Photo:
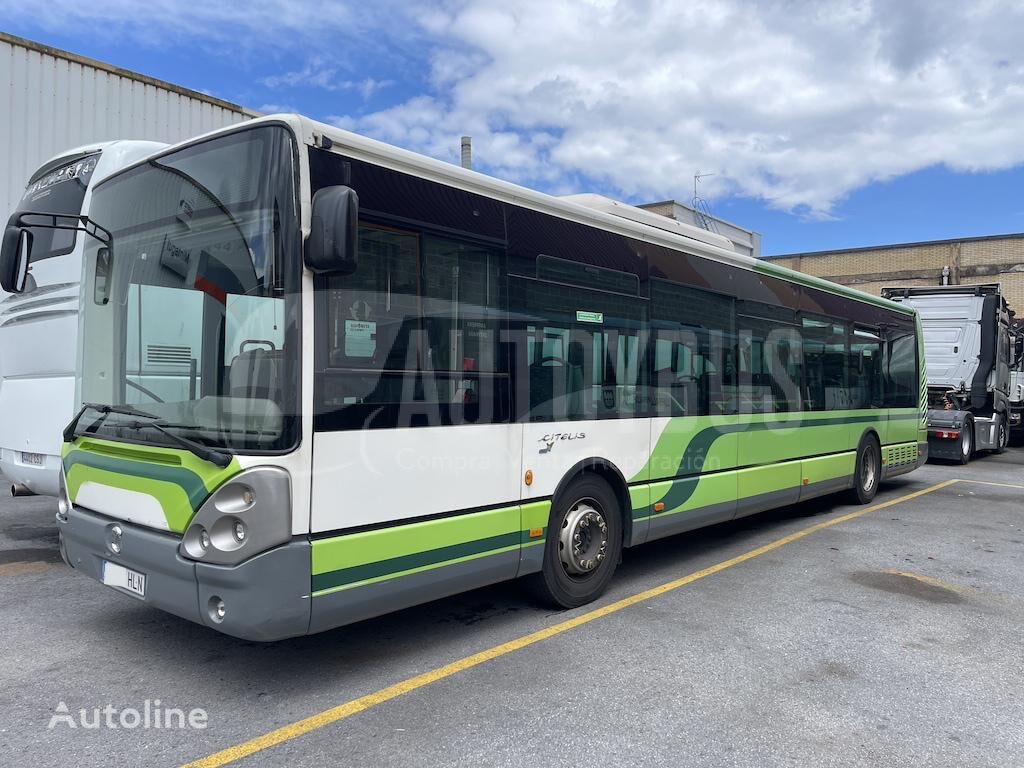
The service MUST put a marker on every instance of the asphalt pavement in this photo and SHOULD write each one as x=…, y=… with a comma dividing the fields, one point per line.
x=889, y=638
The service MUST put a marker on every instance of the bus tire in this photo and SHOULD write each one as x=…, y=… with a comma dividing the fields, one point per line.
x=583, y=545
x=966, y=441
x=868, y=470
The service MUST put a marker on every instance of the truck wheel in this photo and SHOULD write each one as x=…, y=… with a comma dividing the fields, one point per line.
x=966, y=441
x=868, y=471
x=583, y=545
x=1003, y=435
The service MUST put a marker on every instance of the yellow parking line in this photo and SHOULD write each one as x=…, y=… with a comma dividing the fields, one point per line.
x=363, y=703
x=985, y=482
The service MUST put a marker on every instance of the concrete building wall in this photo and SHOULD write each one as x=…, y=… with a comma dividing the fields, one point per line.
x=971, y=261
x=52, y=100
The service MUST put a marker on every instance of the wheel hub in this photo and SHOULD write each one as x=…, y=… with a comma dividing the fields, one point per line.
x=583, y=540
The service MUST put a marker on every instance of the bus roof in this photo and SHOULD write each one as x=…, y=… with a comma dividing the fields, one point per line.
x=405, y=161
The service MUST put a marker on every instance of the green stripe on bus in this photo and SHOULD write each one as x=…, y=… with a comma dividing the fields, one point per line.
x=143, y=469
x=193, y=486
x=395, y=541
x=686, y=462
x=441, y=555
x=358, y=557
x=695, y=455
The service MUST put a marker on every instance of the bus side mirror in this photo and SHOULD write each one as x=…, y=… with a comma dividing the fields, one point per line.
x=333, y=241
x=14, y=259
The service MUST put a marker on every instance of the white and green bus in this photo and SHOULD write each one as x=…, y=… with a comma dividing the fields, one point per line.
x=412, y=380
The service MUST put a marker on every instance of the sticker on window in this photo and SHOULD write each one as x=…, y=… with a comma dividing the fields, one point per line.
x=589, y=317
x=359, y=338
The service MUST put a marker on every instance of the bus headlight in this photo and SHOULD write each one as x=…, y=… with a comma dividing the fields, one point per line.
x=247, y=515
x=63, y=499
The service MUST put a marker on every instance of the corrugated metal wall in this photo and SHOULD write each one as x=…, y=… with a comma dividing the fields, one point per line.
x=51, y=101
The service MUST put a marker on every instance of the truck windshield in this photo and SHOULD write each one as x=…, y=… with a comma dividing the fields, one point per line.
x=192, y=313
x=57, y=188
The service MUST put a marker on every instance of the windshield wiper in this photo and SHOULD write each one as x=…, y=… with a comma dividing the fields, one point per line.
x=212, y=455
x=71, y=430
x=220, y=458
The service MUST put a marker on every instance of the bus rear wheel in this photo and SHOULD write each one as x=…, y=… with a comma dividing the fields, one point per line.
x=583, y=544
x=868, y=471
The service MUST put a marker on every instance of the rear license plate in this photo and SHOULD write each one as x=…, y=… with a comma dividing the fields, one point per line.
x=115, y=575
x=35, y=459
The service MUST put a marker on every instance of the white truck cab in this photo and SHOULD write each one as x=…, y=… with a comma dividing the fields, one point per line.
x=969, y=352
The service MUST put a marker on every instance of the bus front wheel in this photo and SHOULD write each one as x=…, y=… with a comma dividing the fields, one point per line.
x=868, y=471
x=584, y=542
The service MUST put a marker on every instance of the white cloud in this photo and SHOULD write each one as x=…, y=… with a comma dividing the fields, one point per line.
x=796, y=103
x=320, y=73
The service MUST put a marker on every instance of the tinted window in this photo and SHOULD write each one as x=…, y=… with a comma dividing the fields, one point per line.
x=826, y=386
x=901, y=384
x=694, y=354
x=413, y=334
x=770, y=358
x=578, y=352
x=865, y=365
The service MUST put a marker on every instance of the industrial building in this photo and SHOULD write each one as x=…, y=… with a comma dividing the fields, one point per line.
x=963, y=261
x=52, y=100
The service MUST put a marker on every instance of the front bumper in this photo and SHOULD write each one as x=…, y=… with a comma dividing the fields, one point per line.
x=267, y=597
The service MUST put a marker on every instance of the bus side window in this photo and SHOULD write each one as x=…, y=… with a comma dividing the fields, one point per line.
x=583, y=357
x=700, y=326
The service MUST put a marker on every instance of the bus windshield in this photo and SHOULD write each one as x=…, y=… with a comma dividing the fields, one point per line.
x=191, y=314
x=58, y=188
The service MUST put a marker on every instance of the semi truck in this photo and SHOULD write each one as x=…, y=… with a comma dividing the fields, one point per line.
x=1017, y=384
x=970, y=351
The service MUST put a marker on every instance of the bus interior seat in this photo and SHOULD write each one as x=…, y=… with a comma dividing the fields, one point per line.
x=256, y=373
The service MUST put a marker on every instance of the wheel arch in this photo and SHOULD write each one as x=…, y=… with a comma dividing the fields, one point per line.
x=611, y=474
x=869, y=432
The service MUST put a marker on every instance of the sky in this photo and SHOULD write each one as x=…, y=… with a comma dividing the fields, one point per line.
x=824, y=124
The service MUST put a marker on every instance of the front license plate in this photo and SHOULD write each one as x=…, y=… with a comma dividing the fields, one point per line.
x=115, y=575
x=34, y=459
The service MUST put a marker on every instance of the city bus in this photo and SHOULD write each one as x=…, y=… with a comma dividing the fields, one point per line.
x=418, y=380
x=39, y=327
